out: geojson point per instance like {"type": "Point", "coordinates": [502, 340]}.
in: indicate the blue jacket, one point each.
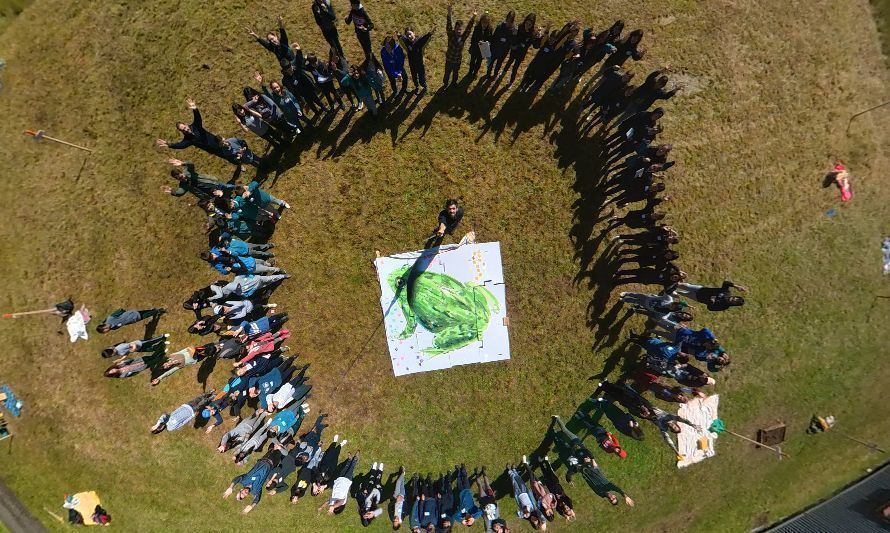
{"type": "Point", "coordinates": [267, 383]}
{"type": "Point", "coordinates": [429, 513]}
{"type": "Point", "coordinates": [255, 478]}
{"type": "Point", "coordinates": [393, 62]}
{"type": "Point", "coordinates": [467, 506]}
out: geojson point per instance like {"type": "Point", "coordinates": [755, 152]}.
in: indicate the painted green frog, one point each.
{"type": "Point", "coordinates": [456, 313]}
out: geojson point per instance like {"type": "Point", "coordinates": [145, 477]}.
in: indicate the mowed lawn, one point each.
{"type": "Point", "coordinates": [769, 89]}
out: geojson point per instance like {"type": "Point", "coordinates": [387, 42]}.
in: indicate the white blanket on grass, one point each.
{"type": "Point", "coordinates": [701, 412]}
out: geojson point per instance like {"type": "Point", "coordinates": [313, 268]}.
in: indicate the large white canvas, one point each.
{"type": "Point", "coordinates": [474, 268]}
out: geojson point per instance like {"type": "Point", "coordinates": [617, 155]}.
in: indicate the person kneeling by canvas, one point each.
{"type": "Point", "coordinates": [449, 219]}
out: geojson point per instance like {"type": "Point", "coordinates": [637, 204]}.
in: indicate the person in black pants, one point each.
{"type": "Point", "coordinates": [414, 47]}
{"type": "Point", "coordinates": [525, 37]}
{"type": "Point", "coordinates": [324, 15]}
{"type": "Point", "coordinates": [194, 134]}
{"type": "Point", "coordinates": [445, 499]}
{"type": "Point", "coordinates": [484, 31]}
{"type": "Point", "coordinates": [327, 467]}
{"type": "Point", "coordinates": [501, 41]}
{"type": "Point", "coordinates": [449, 219]}
{"type": "Point", "coordinates": [551, 481]}
{"type": "Point", "coordinates": [277, 44]}
{"type": "Point", "coordinates": [359, 18]}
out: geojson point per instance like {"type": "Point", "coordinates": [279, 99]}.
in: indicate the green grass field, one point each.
{"type": "Point", "coordinates": [769, 89]}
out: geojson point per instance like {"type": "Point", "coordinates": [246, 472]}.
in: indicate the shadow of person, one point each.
{"type": "Point", "coordinates": [205, 371]}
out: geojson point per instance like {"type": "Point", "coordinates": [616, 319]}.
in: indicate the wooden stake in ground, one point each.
{"type": "Point", "coordinates": [40, 135]}
{"type": "Point", "coordinates": [23, 313]}
{"type": "Point", "coordinates": [718, 427]}
{"type": "Point", "coordinates": [864, 112]}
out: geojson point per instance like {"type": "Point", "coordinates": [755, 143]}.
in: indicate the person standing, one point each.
{"type": "Point", "coordinates": [414, 47]}
{"type": "Point", "coordinates": [393, 57]}
{"type": "Point", "coordinates": [525, 37]}
{"type": "Point", "coordinates": [195, 135]}
{"type": "Point", "coordinates": [326, 19]}
{"type": "Point", "coordinates": [120, 318]}
{"type": "Point", "coordinates": [449, 219]}
{"type": "Point", "coordinates": [501, 42]}
{"type": "Point", "coordinates": [277, 44]}
{"type": "Point", "coordinates": [359, 18]}
{"type": "Point", "coordinates": [457, 38]}
{"type": "Point", "coordinates": [480, 43]}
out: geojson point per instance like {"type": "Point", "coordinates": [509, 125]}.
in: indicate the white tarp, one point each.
{"type": "Point", "coordinates": [701, 412]}
{"type": "Point", "coordinates": [444, 307]}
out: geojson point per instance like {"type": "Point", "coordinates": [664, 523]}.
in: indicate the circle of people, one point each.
{"type": "Point", "coordinates": [242, 218]}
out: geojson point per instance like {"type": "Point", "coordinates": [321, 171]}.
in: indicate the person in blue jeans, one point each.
{"type": "Point", "coordinates": [527, 507]}
{"type": "Point", "coordinates": [120, 318]}
{"type": "Point", "coordinates": [393, 57]}
{"type": "Point", "coordinates": [467, 511]}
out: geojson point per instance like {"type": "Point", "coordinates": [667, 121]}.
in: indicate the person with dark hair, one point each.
{"type": "Point", "coordinates": [145, 345]}
{"type": "Point", "coordinates": [678, 393]}
{"type": "Point", "coordinates": [369, 495]}
{"type": "Point", "coordinates": [128, 367]}
{"type": "Point", "coordinates": [188, 356]}
{"type": "Point", "coordinates": [554, 487]}
{"type": "Point", "coordinates": [251, 120]}
{"type": "Point", "coordinates": [236, 152]}
{"type": "Point", "coordinates": [556, 46]}
{"type": "Point", "coordinates": [326, 19]}
{"type": "Point", "coordinates": [202, 186]}
{"type": "Point", "coordinates": [485, 494]}
{"type": "Point", "coordinates": [327, 466]}
{"type": "Point", "coordinates": [306, 451]}
{"type": "Point", "coordinates": [357, 82]}
{"type": "Point", "coordinates": [183, 414]}
{"type": "Point", "coordinates": [658, 237]}
{"type": "Point", "coordinates": [578, 452]}
{"type": "Point", "coordinates": [524, 37]}
{"type": "Point", "coordinates": [627, 48]}
{"type": "Point", "coordinates": [467, 511]}
{"type": "Point", "coordinates": [120, 318]}
{"type": "Point", "coordinates": [195, 135]}
{"type": "Point", "coordinates": [426, 504]}
{"type": "Point", "coordinates": [449, 219]}
{"type": "Point", "coordinates": [640, 218]}
{"type": "Point", "coordinates": [501, 42]}
{"type": "Point", "coordinates": [398, 500]}
{"type": "Point", "coordinates": [374, 71]}
{"type": "Point", "coordinates": [393, 57]}
{"type": "Point", "coordinates": [544, 499]}
{"type": "Point", "coordinates": [715, 298]}
{"type": "Point", "coordinates": [526, 505]}
{"type": "Point", "coordinates": [481, 37]}
{"type": "Point", "coordinates": [235, 246]}
{"type": "Point", "coordinates": [286, 103]}
{"type": "Point", "coordinates": [342, 484]}
{"type": "Point", "coordinates": [414, 47]}
{"type": "Point", "coordinates": [241, 432]}
{"type": "Point", "coordinates": [639, 190]}
{"type": "Point", "coordinates": [623, 421]}
{"type": "Point", "coordinates": [252, 482]}
{"type": "Point", "coordinates": [324, 76]}
{"type": "Point", "coordinates": [261, 325]}
{"type": "Point", "coordinates": [277, 44]}
{"type": "Point", "coordinates": [599, 483]}
{"type": "Point", "coordinates": [363, 25]}
{"type": "Point", "coordinates": [454, 53]}
{"type": "Point", "coordinates": [444, 491]}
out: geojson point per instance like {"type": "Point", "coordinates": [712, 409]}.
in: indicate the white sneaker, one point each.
{"type": "Point", "coordinates": [336, 437]}
{"type": "Point", "coordinates": [525, 459]}
{"type": "Point", "coordinates": [286, 205]}
{"type": "Point", "coordinates": [374, 466]}
{"type": "Point", "coordinates": [342, 444]}
{"type": "Point", "coordinates": [166, 334]}
{"type": "Point", "coordinates": [381, 467]}
{"type": "Point", "coordinates": [166, 342]}
{"type": "Point", "coordinates": [271, 306]}
{"type": "Point", "coordinates": [361, 105]}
